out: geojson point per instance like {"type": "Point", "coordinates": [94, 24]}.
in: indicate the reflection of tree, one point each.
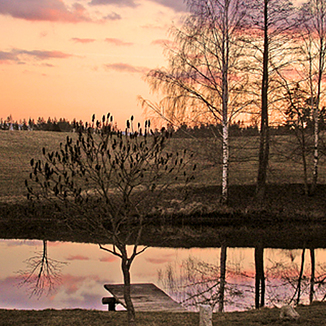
{"type": "Point", "coordinates": [195, 282]}
{"type": "Point", "coordinates": [290, 281]}
{"type": "Point", "coordinates": [260, 277]}
{"type": "Point", "coordinates": [42, 274]}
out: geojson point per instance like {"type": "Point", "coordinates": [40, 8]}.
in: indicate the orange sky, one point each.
{"type": "Point", "coordinates": [73, 58]}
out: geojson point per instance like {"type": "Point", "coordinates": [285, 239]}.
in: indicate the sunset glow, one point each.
{"type": "Point", "coordinates": [70, 59]}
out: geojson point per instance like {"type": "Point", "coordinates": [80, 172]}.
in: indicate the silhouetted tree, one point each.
{"type": "Point", "coordinates": [106, 183]}
{"type": "Point", "coordinates": [314, 51]}
{"type": "Point", "coordinates": [298, 118]}
{"type": "Point", "coordinates": [268, 37]}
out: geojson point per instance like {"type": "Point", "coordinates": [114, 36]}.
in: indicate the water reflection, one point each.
{"type": "Point", "coordinates": [41, 274]}
{"type": "Point", "coordinates": [89, 268]}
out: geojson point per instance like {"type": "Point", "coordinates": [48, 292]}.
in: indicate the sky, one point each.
{"type": "Point", "coordinates": [75, 58]}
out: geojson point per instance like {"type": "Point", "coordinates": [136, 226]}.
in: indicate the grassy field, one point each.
{"type": "Point", "coordinates": [314, 315]}
{"type": "Point", "coordinates": [18, 147]}
{"type": "Point", "coordinates": [16, 150]}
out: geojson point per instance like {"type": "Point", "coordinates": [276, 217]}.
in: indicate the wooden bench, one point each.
{"type": "Point", "coordinates": [111, 302]}
{"type": "Point", "coordinates": [145, 297]}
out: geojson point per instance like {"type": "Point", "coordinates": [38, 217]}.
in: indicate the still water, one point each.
{"type": "Point", "coordinates": [83, 269]}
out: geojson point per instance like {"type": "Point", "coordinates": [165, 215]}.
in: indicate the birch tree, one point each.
{"type": "Point", "coordinates": [314, 51]}
{"type": "Point", "coordinates": [203, 82]}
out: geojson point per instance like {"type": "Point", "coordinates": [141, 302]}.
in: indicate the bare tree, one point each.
{"type": "Point", "coordinates": [298, 118]}
{"type": "Point", "coordinates": [42, 274]}
{"type": "Point", "coordinates": [106, 182]}
{"type": "Point", "coordinates": [203, 82]}
{"type": "Point", "coordinates": [268, 37]}
{"type": "Point", "coordinates": [314, 50]}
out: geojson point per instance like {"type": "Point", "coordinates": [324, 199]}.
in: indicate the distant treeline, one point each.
{"type": "Point", "coordinates": [184, 131]}
{"type": "Point", "coordinates": [61, 125]}
{"type": "Point", "coordinates": [237, 129]}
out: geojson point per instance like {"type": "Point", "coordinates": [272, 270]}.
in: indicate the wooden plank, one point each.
{"type": "Point", "coordinates": [145, 297]}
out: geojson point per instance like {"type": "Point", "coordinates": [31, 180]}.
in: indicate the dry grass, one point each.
{"type": "Point", "coordinates": [16, 150]}
{"type": "Point", "coordinates": [309, 316]}
{"type": "Point", "coordinates": [18, 147]}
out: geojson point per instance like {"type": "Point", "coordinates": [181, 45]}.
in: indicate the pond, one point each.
{"type": "Point", "coordinates": [83, 269]}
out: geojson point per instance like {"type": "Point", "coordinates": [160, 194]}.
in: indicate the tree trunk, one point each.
{"type": "Point", "coordinates": [312, 276]}
{"type": "Point", "coordinates": [300, 276]}
{"type": "Point", "coordinates": [225, 164]}
{"type": "Point", "coordinates": [304, 161]}
{"type": "Point", "coordinates": [127, 291]}
{"type": "Point", "coordinates": [225, 100]}
{"type": "Point", "coordinates": [316, 140]}
{"type": "Point", "coordinates": [222, 278]}
{"type": "Point", "coordinates": [321, 65]}
{"type": "Point", "coordinates": [264, 127]}
{"type": "Point", "coordinates": [260, 277]}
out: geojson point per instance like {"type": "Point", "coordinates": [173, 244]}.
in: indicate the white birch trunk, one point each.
{"type": "Point", "coordinates": [225, 164]}
{"type": "Point", "coordinates": [225, 100]}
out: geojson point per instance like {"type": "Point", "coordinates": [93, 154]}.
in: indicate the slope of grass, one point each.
{"type": "Point", "coordinates": [16, 150]}
{"type": "Point", "coordinates": [18, 147]}
{"type": "Point", "coordinates": [309, 316]}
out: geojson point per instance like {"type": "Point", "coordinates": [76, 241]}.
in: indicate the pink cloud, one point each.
{"type": "Point", "coordinates": [108, 259]}
{"type": "Point", "coordinates": [117, 42]}
{"type": "Point", "coordinates": [83, 40]}
{"type": "Point", "coordinates": [162, 259]}
{"type": "Point", "coordinates": [125, 67]}
{"type": "Point", "coordinates": [162, 42]}
{"type": "Point", "coordinates": [77, 257]}
{"type": "Point", "coordinates": [158, 260]}
{"type": "Point", "coordinates": [45, 10]}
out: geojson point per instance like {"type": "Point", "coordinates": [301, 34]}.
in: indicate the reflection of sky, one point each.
{"type": "Point", "coordinates": [88, 268]}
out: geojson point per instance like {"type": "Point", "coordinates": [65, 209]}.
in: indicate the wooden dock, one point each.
{"type": "Point", "coordinates": [145, 297]}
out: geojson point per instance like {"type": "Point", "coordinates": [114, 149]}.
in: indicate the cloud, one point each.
{"type": "Point", "coordinates": [120, 3]}
{"type": "Point", "coordinates": [117, 42]}
{"type": "Point", "coordinates": [112, 16]}
{"type": "Point", "coordinates": [77, 257]}
{"type": "Point", "coordinates": [176, 5]}
{"type": "Point", "coordinates": [83, 40]}
{"type": "Point", "coordinates": [18, 55]}
{"type": "Point", "coordinates": [158, 260]}
{"type": "Point", "coordinates": [108, 259]}
{"type": "Point", "coordinates": [125, 67]}
{"type": "Point", "coordinates": [163, 42]}
{"type": "Point", "coordinates": [45, 10]}
{"type": "Point", "coordinates": [165, 258]}
{"type": "Point", "coordinates": [152, 26]}
{"type": "Point", "coordinates": [43, 55]}
{"type": "Point", "coordinates": [15, 243]}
